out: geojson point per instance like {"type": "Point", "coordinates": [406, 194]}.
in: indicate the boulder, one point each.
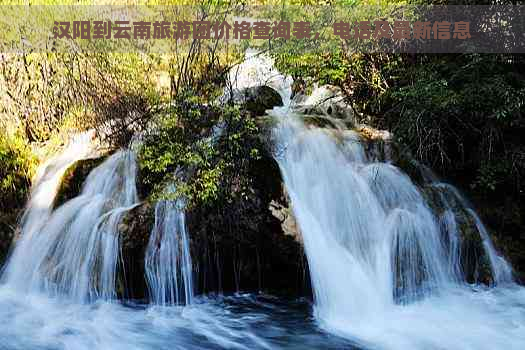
{"type": "Point", "coordinates": [134, 229]}
{"type": "Point", "coordinates": [258, 99]}
{"type": "Point", "coordinates": [250, 244]}
{"type": "Point", "coordinates": [73, 179]}
{"type": "Point", "coordinates": [474, 260]}
{"type": "Point", "coordinates": [8, 230]}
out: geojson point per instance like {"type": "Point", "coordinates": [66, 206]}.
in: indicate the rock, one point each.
{"type": "Point", "coordinates": [473, 258]}
{"type": "Point", "coordinates": [258, 99]}
{"type": "Point", "coordinates": [284, 213]}
{"type": "Point", "coordinates": [321, 121]}
{"type": "Point", "coordinates": [73, 179]}
{"type": "Point", "coordinates": [281, 209]}
{"type": "Point", "coordinates": [136, 225]}
{"type": "Point", "coordinates": [505, 219]}
{"type": "Point", "coordinates": [403, 159]}
{"type": "Point", "coordinates": [134, 229]}
{"type": "Point", "coordinates": [298, 87]}
{"type": "Point", "coordinates": [250, 244]}
{"type": "Point", "coordinates": [8, 230]}
{"type": "Point", "coordinates": [330, 101]}
{"type": "Point", "coordinates": [377, 143]}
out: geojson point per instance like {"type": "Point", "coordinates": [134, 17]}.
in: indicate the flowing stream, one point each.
{"type": "Point", "coordinates": [389, 265]}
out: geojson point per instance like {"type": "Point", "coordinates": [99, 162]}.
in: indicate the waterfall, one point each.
{"type": "Point", "coordinates": [73, 251]}
{"type": "Point", "coordinates": [168, 261]}
{"type": "Point", "coordinates": [48, 178]}
{"type": "Point", "coordinates": [387, 270]}
{"type": "Point", "coordinates": [43, 191]}
{"type": "Point", "coordinates": [386, 254]}
{"type": "Point", "coordinates": [500, 268]}
{"type": "Point", "coordinates": [369, 220]}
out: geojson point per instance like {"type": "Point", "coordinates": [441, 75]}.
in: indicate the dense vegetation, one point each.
{"type": "Point", "coordinates": [17, 165]}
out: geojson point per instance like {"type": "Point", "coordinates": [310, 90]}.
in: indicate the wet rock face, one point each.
{"type": "Point", "coordinates": [473, 259]}
{"type": "Point", "coordinates": [283, 212]}
{"type": "Point", "coordinates": [136, 226]}
{"type": "Point", "coordinates": [252, 244]}
{"type": "Point", "coordinates": [8, 223]}
{"type": "Point", "coordinates": [505, 220]}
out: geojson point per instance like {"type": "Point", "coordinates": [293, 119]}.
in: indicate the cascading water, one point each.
{"type": "Point", "coordinates": [74, 250]}
{"type": "Point", "coordinates": [168, 266]}
{"type": "Point", "coordinates": [500, 268]}
{"type": "Point", "coordinates": [168, 261]}
{"type": "Point", "coordinates": [47, 181]}
{"type": "Point", "coordinates": [378, 261]}
{"type": "Point", "coordinates": [386, 270]}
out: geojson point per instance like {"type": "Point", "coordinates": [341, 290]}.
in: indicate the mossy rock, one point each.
{"type": "Point", "coordinates": [402, 158]}
{"type": "Point", "coordinates": [505, 220]}
{"type": "Point", "coordinates": [134, 229]}
{"type": "Point", "coordinates": [249, 244]}
{"type": "Point", "coordinates": [258, 99]}
{"type": "Point", "coordinates": [73, 179]}
{"type": "Point", "coordinates": [474, 260]}
{"type": "Point", "coordinates": [136, 225]}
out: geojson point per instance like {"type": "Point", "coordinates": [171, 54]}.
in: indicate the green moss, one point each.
{"type": "Point", "coordinates": [17, 164]}
{"type": "Point", "coordinates": [73, 179]}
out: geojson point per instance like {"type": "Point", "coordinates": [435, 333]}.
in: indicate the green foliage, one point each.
{"type": "Point", "coordinates": [204, 150]}
{"type": "Point", "coordinates": [16, 169]}
{"type": "Point", "coordinates": [459, 113]}
{"type": "Point", "coordinates": [488, 177]}
{"type": "Point", "coordinates": [447, 106]}
{"type": "Point", "coordinates": [327, 68]}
